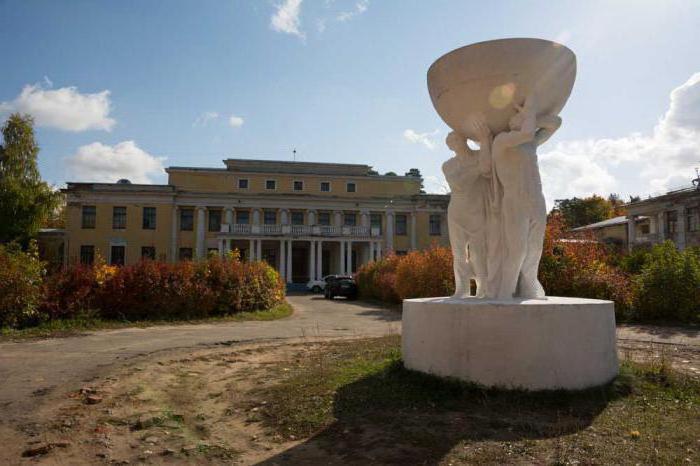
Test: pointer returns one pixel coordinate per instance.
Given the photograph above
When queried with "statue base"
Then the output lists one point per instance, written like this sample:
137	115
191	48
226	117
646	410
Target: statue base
534	344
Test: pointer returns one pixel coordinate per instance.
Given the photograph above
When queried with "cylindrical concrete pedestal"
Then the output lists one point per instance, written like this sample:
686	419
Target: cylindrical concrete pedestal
534	344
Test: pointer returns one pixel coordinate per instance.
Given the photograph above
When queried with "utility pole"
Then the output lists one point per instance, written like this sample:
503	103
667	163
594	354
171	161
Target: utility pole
294	155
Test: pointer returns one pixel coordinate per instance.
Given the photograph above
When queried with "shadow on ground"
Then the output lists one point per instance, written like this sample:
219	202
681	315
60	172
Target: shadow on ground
664	331
402	417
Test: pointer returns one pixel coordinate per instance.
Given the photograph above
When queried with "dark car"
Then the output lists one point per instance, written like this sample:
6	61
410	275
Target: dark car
341	286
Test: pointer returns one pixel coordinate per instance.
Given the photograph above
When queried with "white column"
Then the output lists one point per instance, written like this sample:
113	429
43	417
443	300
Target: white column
289	261
389	230
371	251
413	230
364	218
338	218
349	261
662	226
228	217
311	217
631	231
319	260
342	258
199	244
173	235
258	253
221	248
312	260
251	250
256	216
284	217
379	250
282	271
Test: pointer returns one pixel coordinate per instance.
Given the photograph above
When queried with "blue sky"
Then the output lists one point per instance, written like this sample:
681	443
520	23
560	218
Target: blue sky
120	89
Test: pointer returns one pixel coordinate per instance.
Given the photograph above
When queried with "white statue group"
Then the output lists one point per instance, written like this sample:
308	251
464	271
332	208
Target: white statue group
497	212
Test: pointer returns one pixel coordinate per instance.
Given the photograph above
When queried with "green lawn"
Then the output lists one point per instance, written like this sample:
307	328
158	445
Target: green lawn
68	327
355	401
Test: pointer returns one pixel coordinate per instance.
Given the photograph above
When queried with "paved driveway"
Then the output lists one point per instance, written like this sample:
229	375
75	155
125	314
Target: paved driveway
32	372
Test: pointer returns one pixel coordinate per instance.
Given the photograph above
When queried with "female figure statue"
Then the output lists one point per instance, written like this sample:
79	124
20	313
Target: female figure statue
467	174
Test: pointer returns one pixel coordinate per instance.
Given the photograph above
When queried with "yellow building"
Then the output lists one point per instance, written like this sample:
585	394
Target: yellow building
306	219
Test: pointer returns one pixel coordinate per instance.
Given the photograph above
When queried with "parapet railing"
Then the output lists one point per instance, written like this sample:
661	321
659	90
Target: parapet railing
300	230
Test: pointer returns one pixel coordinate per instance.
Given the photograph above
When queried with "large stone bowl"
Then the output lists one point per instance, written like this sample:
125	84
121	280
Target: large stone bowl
485	80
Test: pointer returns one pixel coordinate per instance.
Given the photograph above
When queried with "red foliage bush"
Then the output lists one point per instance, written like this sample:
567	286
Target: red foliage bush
157	290
417	274
575	266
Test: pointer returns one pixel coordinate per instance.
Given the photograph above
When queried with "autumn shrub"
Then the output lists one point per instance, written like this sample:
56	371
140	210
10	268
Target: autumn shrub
377	279
668	285
21	275
215	287
427	273
578	266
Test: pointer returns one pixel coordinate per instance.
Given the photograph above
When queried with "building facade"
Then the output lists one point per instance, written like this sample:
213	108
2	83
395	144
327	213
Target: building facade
673	216
306	219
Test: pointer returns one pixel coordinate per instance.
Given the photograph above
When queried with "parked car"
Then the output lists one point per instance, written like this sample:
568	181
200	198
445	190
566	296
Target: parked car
343	286
317	286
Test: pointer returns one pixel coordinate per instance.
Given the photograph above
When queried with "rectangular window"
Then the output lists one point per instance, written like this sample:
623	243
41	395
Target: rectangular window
400	225
644	229
186	219
324	218
242	183
270	217
350	219
693	222
270	184
242	217
214	220
672	221
325	186
118	218
297	218
89	216
435	220
118	255
185	254
148	253
87	255
149	218
376	221
298	186
351	187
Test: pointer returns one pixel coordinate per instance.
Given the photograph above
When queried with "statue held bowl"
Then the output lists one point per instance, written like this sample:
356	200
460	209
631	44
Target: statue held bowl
487	78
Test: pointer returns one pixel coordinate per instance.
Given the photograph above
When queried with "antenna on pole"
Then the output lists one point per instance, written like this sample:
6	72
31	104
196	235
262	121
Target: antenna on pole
696	181
294	155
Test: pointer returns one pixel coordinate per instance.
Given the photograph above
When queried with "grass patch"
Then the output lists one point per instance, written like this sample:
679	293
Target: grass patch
69	327
358	402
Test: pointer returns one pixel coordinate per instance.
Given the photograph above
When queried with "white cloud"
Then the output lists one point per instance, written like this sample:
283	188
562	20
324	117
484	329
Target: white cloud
427	139
286	18
235	121
102	163
65	108
360	7
205	118
655	162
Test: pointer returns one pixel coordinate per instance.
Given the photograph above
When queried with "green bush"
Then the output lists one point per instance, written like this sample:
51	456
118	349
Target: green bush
21	275
668	286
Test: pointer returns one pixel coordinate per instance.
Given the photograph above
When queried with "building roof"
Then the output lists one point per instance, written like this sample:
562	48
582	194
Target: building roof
605	223
674	195
621	220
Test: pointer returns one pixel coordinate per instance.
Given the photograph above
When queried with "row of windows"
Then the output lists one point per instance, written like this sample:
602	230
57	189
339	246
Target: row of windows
692	220
298	185
117	254
89	217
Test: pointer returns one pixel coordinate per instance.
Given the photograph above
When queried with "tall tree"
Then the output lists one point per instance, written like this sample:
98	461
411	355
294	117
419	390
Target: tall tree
25	200
583	211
